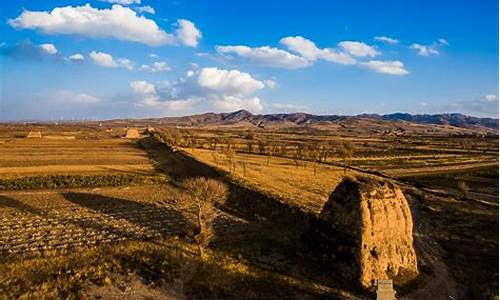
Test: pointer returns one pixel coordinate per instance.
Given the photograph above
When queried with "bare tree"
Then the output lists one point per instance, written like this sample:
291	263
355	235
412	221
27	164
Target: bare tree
206	193
229	153
249	147
214	158
463	187
346	152
244	167
249	136
313	153
230	144
298	155
275	149
262	147
324	152
282	151
213	144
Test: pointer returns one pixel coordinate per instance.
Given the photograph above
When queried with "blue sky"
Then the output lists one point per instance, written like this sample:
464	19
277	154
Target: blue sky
148	58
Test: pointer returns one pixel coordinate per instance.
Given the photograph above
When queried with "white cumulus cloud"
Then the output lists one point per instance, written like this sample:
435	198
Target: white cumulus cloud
232	103
424	50
267	56
490	97
443	41
76	57
187	33
145	9
125	63
219	89
387	40
156	67
358	49
308	49
106	60
386	67
123	2
143	87
300	53
149	97
230	82
271	83
49	48
302	46
118	22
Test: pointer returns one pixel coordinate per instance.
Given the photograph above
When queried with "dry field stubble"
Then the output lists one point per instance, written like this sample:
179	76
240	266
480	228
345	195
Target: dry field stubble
77	242
137	233
392	155
32	223
27	157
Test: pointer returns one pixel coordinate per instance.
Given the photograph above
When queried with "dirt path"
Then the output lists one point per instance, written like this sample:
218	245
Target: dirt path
398	157
439	285
407	172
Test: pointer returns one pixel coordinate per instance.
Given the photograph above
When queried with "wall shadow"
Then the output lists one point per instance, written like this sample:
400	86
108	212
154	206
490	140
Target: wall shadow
269	235
161	219
176	164
164	221
84	223
7	202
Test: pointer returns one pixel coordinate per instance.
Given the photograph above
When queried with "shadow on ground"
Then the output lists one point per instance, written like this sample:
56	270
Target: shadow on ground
264	233
161	219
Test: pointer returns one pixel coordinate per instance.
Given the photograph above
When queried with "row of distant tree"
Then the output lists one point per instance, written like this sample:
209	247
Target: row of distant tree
314	150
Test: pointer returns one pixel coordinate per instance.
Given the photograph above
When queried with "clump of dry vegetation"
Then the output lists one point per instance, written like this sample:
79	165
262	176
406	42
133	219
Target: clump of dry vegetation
229	221
207	193
68	276
78	181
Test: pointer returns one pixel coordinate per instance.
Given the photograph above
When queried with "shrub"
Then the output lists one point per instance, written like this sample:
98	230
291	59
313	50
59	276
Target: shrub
74	181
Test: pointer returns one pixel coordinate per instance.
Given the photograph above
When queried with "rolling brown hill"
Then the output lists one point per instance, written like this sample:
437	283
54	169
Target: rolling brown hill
389	124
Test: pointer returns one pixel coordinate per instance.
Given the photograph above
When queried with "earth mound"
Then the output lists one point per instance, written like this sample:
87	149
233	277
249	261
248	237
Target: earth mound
369	223
132	133
34	134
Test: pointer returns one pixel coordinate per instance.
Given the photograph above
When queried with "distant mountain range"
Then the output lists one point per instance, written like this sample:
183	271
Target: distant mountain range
457	120
397	123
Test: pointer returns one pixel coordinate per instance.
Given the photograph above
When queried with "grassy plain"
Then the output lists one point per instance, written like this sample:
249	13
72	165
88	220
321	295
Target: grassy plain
113	241
305	185
27	157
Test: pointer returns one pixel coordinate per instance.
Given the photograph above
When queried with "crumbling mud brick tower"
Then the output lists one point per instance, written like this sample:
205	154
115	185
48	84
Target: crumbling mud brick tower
132	133
34	134
371	226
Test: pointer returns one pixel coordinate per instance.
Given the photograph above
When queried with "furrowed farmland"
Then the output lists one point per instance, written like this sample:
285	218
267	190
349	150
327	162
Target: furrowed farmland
99	215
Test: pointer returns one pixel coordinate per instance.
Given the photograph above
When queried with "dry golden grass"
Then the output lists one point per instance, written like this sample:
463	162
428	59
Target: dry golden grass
161	269
297	185
26	157
82	240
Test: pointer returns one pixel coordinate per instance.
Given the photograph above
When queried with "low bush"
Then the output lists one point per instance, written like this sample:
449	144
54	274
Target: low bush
74	181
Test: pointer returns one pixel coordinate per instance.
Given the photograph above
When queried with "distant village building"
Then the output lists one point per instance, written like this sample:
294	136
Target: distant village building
132	133
34	134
